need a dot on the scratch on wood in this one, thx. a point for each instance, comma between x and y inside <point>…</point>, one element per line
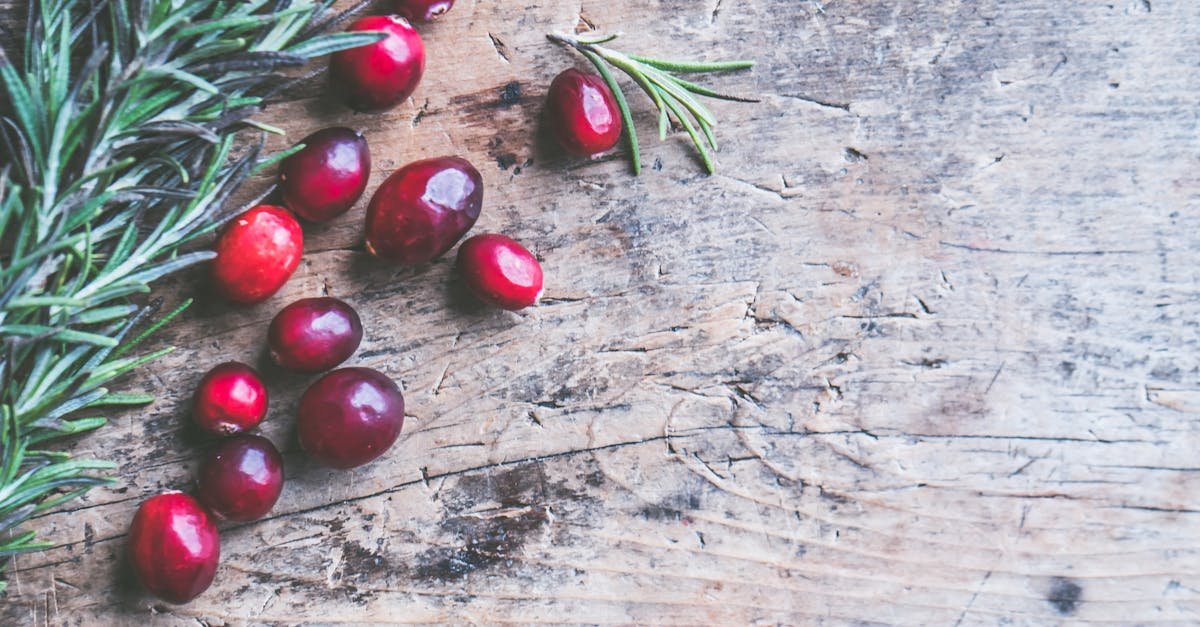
<point>500,47</point>
<point>995,376</point>
<point>1044,253</point>
<point>826,104</point>
<point>974,596</point>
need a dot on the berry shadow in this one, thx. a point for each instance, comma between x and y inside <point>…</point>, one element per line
<point>126,586</point>
<point>375,275</point>
<point>546,149</point>
<point>280,422</point>
<point>191,437</point>
<point>459,298</point>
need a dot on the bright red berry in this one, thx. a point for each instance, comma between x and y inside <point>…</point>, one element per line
<point>174,547</point>
<point>500,272</point>
<point>257,253</point>
<point>423,209</point>
<point>327,176</point>
<point>314,334</point>
<point>383,74</point>
<point>230,399</point>
<point>423,10</point>
<point>241,479</point>
<point>350,417</point>
<point>583,113</point>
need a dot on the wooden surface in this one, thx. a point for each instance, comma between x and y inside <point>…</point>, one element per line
<point>925,350</point>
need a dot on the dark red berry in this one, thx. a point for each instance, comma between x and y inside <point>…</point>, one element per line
<point>423,209</point>
<point>174,547</point>
<point>423,10</point>
<point>314,334</point>
<point>241,479</point>
<point>350,416</point>
<point>327,176</point>
<point>257,253</point>
<point>500,272</point>
<point>383,74</point>
<point>583,113</point>
<point>230,399</point>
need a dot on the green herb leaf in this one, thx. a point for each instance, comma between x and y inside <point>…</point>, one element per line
<point>329,44</point>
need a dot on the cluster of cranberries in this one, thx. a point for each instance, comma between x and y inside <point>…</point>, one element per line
<point>349,416</point>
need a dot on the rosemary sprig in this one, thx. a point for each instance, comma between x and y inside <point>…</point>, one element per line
<point>118,148</point>
<point>674,97</point>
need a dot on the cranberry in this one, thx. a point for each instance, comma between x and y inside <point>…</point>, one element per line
<point>174,547</point>
<point>500,272</point>
<point>230,399</point>
<point>327,176</point>
<point>583,113</point>
<point>423,10</point>
<point>423,209</point>
<point>257,253</point>
<point>241,479</point>
<point>314,334</point>
<point>350,417</point>
<point>383,74</point>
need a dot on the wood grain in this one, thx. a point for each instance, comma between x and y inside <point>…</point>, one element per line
<point>925,351</point>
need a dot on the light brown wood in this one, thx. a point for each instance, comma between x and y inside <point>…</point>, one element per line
<point>925,351</point>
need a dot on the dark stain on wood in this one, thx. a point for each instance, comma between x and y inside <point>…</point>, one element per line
<point>1065,595</point>
<point>485,542</point>
<point>483,103</point>
<point>360,560</point>
<point>672,507</point>
<point>491,515</point>
<point>89,537</point>
<point>510,94</point>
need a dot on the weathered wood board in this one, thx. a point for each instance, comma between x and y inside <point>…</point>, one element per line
<point>925,351</point>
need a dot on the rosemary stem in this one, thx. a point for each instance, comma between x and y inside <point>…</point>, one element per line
<point>672,96</point>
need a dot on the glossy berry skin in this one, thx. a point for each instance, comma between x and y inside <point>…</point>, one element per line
<point>241,479</point>
<point>350,417</point>
<point>327,176</point>
<point>314,334</point>
<point>583,113</point>
<point>174,547</point>
<point>423,209</point>
<point>256,254</point>
<point>423,10</point>
<point>500,272</point>
<point>230,399</point>
<point>383,74</point>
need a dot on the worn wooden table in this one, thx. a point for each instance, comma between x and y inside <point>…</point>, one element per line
<point>925,350</point>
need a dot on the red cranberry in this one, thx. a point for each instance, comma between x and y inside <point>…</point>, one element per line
<point>314,334</point>
<point>350,417</point>
<point>583,113</point>
<point>174,547</point>
<point>327,176</point>
<point>383,74</point>
<point>423,10</point>
<point>257,253</point>
<point>230,399</point>
<point>241,479</point>
<point>500,272</point>
<point>423,209</point>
